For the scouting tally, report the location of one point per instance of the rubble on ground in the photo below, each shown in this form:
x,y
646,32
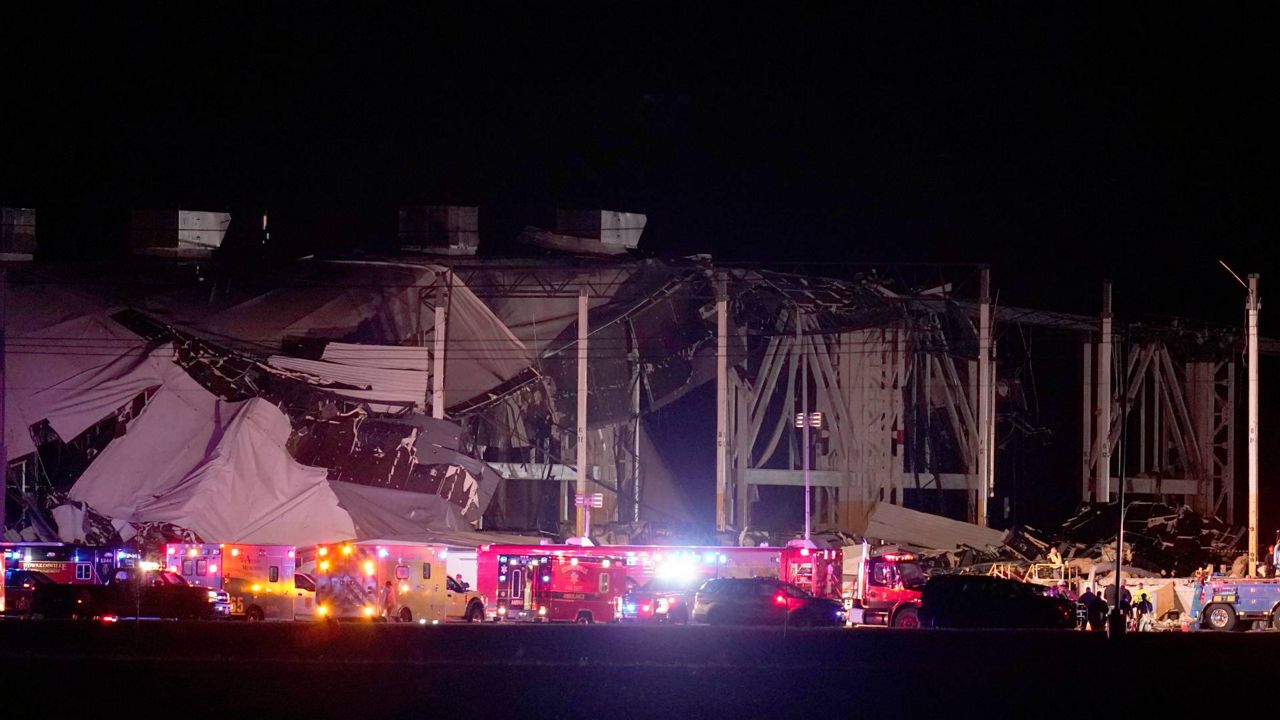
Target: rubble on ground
x,y
1160,541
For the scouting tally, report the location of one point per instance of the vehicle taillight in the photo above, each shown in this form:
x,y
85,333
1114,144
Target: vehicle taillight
x,y
780,599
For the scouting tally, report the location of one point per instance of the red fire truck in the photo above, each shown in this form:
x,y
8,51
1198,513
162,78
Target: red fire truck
x,y
67,564
885,589
816,570
546,584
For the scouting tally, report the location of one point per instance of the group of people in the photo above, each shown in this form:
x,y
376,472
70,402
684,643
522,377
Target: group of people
x,y
1139,616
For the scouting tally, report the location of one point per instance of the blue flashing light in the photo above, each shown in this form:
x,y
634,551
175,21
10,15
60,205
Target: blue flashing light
x,y
502,558
709,558
723,559
546,578
631,607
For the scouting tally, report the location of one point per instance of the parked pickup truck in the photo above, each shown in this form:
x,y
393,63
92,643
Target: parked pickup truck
x,y
132,592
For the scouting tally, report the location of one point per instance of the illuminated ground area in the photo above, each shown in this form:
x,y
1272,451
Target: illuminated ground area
x,y
599,671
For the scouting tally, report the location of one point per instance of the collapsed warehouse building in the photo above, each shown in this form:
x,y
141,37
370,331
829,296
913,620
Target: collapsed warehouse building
x,y
326,398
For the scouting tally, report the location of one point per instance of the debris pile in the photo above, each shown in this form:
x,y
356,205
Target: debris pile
x,y
1160,541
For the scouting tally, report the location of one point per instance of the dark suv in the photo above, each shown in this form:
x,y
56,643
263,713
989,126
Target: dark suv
x,y
982,601
762,601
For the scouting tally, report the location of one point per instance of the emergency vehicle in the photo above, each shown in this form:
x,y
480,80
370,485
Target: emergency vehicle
x,y
548,585
396,583
885,589
1240,603
815,570
67,564
260,579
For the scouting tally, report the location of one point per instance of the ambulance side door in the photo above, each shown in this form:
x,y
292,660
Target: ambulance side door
x,y
455,604
433,593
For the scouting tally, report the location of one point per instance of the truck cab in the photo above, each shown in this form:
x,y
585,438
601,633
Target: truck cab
x,y
886,590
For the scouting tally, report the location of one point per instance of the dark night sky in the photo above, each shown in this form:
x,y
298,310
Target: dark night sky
x,y
1061,143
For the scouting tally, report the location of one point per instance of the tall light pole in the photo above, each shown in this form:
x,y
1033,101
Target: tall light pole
x,y
1251,307
806,420
1251,326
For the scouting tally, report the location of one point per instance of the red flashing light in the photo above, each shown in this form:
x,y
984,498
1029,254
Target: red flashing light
x,y
780,599
645,608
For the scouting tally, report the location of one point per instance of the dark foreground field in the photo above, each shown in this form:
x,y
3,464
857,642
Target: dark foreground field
x,y
239,671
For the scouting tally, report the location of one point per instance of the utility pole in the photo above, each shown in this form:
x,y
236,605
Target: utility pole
x,y
1251,307
1103,489
804,421
1116,622
437,360
584,516
1251,326
723,497
4,398
986,413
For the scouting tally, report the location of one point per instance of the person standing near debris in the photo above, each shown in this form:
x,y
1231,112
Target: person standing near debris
x,y
1145,610
1086,602
1097,612
389,601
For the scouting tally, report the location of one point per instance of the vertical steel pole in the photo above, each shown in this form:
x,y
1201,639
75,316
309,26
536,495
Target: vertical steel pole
x,y
804,409
437,364
4,398
1103,488
635,465
985,411
1252,327
1086,441
584,513
723,500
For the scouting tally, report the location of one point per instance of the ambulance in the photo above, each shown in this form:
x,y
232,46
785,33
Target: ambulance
x,y
542,584
260,579
392,583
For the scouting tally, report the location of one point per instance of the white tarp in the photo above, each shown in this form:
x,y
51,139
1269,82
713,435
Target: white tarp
x,y
217,468
386,513
370,304
376,384
74,374
221,470
896,524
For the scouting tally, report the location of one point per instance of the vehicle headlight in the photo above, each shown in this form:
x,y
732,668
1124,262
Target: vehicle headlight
x,y
212,596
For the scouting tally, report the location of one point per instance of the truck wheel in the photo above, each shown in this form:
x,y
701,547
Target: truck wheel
x,y
254,614
907,617
1219,616
476,613
405,615
584,618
